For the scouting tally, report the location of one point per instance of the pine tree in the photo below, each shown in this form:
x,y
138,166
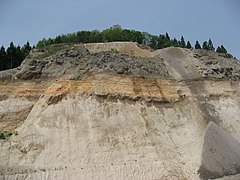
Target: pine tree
x,y
25,50
19,56
210,45
58,40
11,54
3,56
167,36
189,46
174,42
197,45
27,47
182,42
205,45
221,50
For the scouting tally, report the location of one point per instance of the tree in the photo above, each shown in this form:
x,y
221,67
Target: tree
x,y
19,56
138,37
182,42
116,33
42,43
3,57
210,45
189,46
197,45
167,36
11,55
221,50
154,42
205,45
27,47
174,42
25,50
58,40
163,41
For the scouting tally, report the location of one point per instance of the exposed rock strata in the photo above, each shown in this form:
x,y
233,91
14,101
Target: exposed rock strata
x,y
134,114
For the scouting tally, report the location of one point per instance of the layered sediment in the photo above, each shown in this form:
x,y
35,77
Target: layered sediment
x,y
128,113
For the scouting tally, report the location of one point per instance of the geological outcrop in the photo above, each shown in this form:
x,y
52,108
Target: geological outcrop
x,y
120,111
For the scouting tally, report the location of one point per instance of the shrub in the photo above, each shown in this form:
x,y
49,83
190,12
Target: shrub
x,y
6,134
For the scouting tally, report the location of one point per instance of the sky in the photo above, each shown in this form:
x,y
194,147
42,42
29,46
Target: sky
x,y
32,20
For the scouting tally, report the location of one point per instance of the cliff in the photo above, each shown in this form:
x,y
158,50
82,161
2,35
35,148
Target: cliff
x,y
119,111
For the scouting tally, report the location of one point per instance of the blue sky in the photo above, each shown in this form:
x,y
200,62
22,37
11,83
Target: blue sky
x,y
31,20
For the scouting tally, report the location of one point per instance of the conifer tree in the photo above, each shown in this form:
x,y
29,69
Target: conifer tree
x,y
3,57
167,36
182,42
19,56
221,50
197,45
25,50
189,46
11,53
210,45
205,45
174,42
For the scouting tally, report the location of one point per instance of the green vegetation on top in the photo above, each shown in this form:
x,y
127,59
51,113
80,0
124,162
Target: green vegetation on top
x,y
14,55
116,33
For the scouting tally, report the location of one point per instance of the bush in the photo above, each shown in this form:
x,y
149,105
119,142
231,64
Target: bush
x,y
6,134
114,50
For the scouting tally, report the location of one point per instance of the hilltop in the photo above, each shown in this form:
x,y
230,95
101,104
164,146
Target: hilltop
x,y
13,56
76,61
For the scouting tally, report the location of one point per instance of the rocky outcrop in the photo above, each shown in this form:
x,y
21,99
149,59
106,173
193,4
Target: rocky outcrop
x,y
76,62
216,66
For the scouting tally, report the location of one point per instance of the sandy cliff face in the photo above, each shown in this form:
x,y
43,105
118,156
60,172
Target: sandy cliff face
x,y
108,115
